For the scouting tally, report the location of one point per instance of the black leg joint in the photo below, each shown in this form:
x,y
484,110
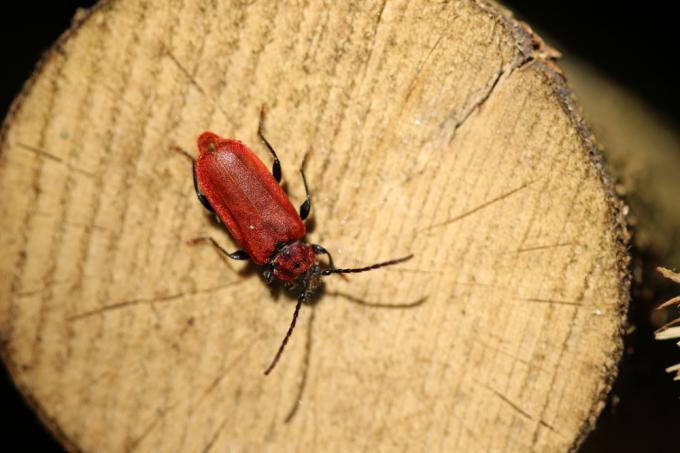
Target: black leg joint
x,y
319,250
237,255
276,167
268,275
306,206
204,201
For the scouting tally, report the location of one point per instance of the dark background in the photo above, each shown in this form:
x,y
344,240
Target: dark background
x,y
634,45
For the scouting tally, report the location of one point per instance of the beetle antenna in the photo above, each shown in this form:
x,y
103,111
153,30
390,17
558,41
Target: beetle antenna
x,y
301,298
186,154
356,270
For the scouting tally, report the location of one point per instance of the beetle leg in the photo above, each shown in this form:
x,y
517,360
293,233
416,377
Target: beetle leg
x,y
276,167
320,250
237,255
204,201
304,295
306,206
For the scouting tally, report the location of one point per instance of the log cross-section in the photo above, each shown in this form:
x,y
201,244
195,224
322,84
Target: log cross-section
x,y
441,129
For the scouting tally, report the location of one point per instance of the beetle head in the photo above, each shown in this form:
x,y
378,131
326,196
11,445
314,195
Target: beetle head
x,y
293,261
296,261
207,142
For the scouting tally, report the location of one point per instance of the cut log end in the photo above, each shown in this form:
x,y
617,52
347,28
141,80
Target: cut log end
x,y
439,130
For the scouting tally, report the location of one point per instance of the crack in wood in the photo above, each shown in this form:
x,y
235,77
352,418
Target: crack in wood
x,y
151,300
478,208
54,158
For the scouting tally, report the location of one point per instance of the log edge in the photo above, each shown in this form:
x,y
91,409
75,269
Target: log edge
x,y
531,51
81,16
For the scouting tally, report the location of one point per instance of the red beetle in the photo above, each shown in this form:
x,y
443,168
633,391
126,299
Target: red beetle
x,y
233,183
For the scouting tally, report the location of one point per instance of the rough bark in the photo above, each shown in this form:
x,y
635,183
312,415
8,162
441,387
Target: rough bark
x,y
439,129
641,147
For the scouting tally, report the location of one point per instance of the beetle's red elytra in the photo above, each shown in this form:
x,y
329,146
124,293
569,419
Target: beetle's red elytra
x,y
233,183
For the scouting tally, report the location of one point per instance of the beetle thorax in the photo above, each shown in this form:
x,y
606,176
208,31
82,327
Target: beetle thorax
x,y
293,260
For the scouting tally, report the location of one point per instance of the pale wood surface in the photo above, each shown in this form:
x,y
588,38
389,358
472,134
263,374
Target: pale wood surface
x,y
433,129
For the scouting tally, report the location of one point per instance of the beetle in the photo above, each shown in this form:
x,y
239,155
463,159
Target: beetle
x,y
233,184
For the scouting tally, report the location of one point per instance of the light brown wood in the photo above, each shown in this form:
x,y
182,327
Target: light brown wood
x,y
433,128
